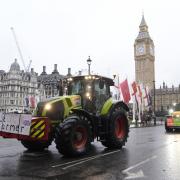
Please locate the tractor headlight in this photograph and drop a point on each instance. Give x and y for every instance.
(48, 107)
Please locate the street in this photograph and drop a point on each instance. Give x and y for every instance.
(150, 153)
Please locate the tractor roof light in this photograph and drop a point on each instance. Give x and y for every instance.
(70, 79)
(89, 77)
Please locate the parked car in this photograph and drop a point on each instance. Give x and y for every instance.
(172, 121)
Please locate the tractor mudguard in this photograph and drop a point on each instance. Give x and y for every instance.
(84, 113)
(81, 111)
(120, 104)
(109, 106)
(106, 107)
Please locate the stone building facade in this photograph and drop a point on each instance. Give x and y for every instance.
(51, 85)
(166, 98)
(16, 86)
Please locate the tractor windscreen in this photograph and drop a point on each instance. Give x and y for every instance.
(76, 87)
(81, 87)
(94, 91)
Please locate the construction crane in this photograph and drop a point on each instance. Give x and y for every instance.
(26, 69)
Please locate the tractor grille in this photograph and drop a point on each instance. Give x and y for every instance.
(56, 112)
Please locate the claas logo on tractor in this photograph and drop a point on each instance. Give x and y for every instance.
(87, 112)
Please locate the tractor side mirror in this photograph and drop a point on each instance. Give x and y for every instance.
(101, 84)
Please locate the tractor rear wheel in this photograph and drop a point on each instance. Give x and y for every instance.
(73, 137)
(118, 128)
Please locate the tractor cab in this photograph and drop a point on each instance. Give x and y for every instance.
(93, 89)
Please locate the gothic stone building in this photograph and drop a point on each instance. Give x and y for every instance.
(51, 84)
(15, 86)
(166, 97)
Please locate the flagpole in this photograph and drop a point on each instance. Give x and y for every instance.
(118, 85)
(142, 107)
(134, 115)
(139, 113)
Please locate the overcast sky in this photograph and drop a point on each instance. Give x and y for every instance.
(66, 32)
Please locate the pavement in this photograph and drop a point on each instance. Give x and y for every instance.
(151, 124)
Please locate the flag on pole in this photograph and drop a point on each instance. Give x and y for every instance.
(134, 94)
(134, 88)
(125, 91)
(145, 97)
(32, 102)
(139, 94)
(149, 96)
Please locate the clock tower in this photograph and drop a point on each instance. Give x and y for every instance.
(144, 56)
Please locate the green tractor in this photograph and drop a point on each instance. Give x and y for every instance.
(86, 113)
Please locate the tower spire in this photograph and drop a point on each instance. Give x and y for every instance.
(143, 29)
(143, 26)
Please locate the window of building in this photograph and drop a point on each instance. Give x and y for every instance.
(12, 102)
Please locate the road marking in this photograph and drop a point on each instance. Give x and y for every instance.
(59, 165)
(139, 173)
(81, 161)
(136, 175)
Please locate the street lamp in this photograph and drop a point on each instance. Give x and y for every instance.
(89, 64)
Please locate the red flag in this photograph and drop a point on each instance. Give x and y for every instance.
(139, 97)
(140, 92)
(125, 91)
(134, 88)
(32, 102)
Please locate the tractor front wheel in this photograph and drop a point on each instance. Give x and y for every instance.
(72, 137)
(36, 145)
(118, 128)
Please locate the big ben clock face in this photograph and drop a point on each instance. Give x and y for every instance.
(140, 49)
